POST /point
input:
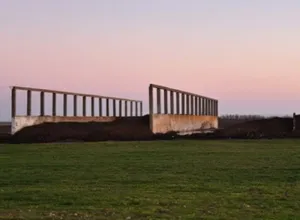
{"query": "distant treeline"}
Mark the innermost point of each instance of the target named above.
(248, 117)
(232, 119)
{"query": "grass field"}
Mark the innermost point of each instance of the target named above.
(151, 180)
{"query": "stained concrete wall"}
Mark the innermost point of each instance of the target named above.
(163, 123)
(19, 122)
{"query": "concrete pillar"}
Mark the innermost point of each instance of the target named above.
(196, 105)
(193, 105)
(120, 108)
(92, 106)
(188, 105)
(114, 108)
(131, 108)
(136, 108)
(75, 105)
(172, 102)
(28, 102)
(83, 105)
(42, 103)
(203, 106)
(158, 101)
(107, 107)
(183, 104)
(150, 100)
(100, 107)
(141, 108)
(206, 107)
(65, 102)
(209, 106)
(166, 101)
(215, 108)
(200, 106)
(54, 104)
(13, 102)
(126, 109)
(177, 103)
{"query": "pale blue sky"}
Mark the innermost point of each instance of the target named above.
(244, 53)
(94, 15)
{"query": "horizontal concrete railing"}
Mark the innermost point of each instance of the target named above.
(181, 102)
(127, 103)
(126, 108)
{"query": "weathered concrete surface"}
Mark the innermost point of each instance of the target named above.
(163, 123)
(20, 122)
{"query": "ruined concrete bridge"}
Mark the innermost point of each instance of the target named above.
(169, 109)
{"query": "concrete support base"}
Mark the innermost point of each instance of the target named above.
(163, 123)
(19, 122)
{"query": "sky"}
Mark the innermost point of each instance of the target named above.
(246, 54)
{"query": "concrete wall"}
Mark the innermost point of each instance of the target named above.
(163, 123)
(159, 123)
(19, 122)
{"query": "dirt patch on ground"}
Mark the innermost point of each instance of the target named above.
(263, 128)
(130, 128)
(225, 123)
(137, 129)
(5, 130)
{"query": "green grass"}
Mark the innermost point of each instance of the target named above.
(151, 180)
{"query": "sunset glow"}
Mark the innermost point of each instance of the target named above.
(244, 53)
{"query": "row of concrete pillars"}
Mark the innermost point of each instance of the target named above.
(180, 102)
(173, 101)
(131, 107)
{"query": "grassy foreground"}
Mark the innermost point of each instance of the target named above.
(151, 180)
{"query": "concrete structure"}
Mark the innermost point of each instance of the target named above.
(120, 108)
(184, 112)
(184, 124)
(19, 122)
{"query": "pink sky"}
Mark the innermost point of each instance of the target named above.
(250, 70)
